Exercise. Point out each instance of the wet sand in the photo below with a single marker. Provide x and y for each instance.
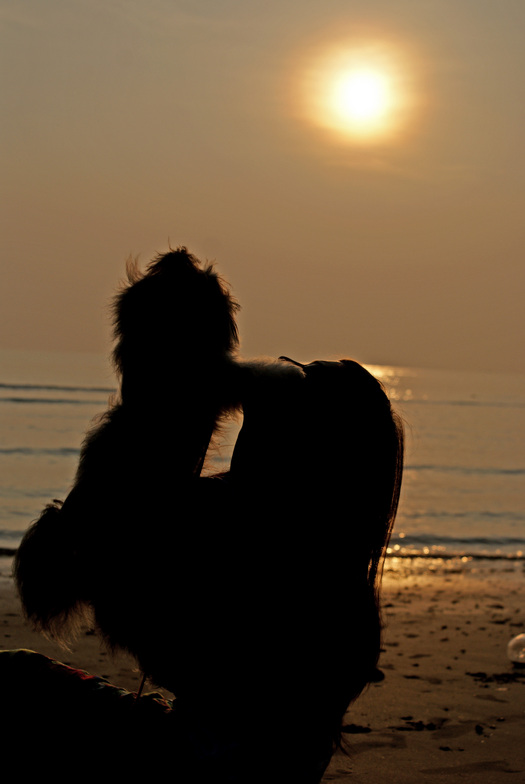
(451, 707)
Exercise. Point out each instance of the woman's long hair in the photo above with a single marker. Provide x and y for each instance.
(320, 456)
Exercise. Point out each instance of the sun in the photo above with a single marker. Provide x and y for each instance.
(362, 92)
(362, 97)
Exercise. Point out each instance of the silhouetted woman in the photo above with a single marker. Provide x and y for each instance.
(315, 475)
(252, 596)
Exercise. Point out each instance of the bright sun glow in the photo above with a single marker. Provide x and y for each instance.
(362, 97)
(360, 92)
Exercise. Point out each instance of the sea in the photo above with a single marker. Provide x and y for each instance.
(463, 495)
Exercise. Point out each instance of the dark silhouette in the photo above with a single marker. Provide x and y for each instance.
(253, 596)
(175, 334)
(321, 453)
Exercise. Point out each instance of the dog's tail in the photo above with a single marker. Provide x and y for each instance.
(48, 577)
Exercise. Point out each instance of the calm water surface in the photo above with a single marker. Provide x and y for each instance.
(464, 485)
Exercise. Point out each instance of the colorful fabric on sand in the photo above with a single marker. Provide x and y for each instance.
(33, 672)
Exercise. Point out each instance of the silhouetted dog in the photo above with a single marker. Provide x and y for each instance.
(120, 540)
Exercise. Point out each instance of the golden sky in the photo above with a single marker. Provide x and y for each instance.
(354, 168)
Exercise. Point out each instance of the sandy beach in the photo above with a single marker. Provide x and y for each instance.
(451, 707)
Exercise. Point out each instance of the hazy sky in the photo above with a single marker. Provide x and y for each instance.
(129, 124)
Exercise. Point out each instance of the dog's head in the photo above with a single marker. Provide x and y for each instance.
(177, 311)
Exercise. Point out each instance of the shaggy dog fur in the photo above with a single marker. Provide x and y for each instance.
(175, 335)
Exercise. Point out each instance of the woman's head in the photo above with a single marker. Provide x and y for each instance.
(324, 434)
(358, 439)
